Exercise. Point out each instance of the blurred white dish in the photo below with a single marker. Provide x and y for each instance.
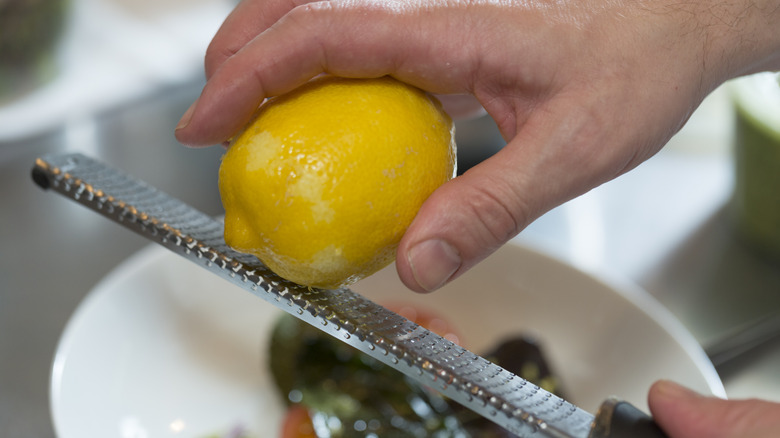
(161, 348)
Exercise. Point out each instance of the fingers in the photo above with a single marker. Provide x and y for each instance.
(347, 39)
(682, 413)
(248, 19)
(482, 212)
(572, 120)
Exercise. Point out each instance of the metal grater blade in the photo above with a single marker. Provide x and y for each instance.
(519, 406)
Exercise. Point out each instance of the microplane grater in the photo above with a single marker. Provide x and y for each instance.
(508, 400)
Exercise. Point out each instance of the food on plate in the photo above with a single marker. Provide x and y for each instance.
(325, 180)
(333, 390)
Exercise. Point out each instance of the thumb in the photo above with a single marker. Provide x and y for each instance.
(460, 224)
(682, 413)
(471, 216)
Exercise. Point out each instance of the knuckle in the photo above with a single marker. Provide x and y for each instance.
(215, 55)
(498, 210)
(306, 13)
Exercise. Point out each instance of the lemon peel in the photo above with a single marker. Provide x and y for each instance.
(322, 184)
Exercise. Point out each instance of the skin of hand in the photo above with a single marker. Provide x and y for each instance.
(682, 413)
(582, 90)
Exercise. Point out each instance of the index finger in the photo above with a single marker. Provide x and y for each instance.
(249, 19)
(349, 39)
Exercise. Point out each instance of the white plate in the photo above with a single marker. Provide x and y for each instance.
(162, 348)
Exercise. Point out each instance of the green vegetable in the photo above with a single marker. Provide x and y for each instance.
(350, 394)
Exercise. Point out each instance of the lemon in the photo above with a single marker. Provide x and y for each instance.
(322, 184)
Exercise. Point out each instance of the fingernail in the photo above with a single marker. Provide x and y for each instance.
(185, 119)
(671, 389)
(433, 262)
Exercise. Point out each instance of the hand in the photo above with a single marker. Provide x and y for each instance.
(582, 90)
(681, 413)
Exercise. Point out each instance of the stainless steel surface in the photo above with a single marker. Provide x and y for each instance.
(665, 226)
(465, 377)
(743, 340)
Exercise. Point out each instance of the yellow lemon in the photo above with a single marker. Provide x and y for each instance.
(325, 180)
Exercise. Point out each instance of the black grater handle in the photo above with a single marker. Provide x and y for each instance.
(620, 419)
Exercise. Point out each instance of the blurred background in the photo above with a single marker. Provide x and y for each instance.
(110, 78)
